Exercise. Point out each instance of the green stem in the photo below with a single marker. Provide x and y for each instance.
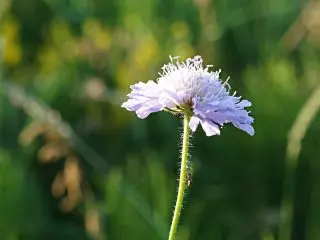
(298, 131)
(287, 202)
(182, 180)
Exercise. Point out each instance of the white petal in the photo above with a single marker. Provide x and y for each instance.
(194, 122)
(144, 112)
(210, 128)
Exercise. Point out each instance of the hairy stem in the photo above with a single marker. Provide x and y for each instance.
(182, 180)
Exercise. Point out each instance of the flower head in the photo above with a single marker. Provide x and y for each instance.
(191, 88)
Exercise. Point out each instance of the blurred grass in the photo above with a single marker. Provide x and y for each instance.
(101, 173)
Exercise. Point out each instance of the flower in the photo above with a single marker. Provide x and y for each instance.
(191, 88)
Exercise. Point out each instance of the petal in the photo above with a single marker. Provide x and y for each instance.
(198, 111)
(210, 128)
(244, 103)
(245, 127)
(218, 117)
(194, 122)
(144, 112)
(131, 105)
(168, 99)
(144, 99)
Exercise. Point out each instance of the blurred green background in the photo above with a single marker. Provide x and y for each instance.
(75, 165)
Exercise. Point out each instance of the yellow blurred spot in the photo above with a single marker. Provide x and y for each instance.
(124, 78)
(49, 59)
(184, 50)
(90, 27)
(102, 40)
(100, 36)
(143, 54)
(12, 49)
(60, 31)
(179, 30)
(145, 51)
(12, 53)
(61, 46)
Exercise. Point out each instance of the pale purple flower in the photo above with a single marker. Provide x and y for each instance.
(191, 88)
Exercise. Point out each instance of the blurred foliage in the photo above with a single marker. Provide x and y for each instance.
(74, 165)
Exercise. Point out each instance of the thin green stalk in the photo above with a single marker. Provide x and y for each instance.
(287, 202)
(182, 180)
(301, 125)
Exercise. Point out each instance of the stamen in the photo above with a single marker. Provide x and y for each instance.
(223, 85)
